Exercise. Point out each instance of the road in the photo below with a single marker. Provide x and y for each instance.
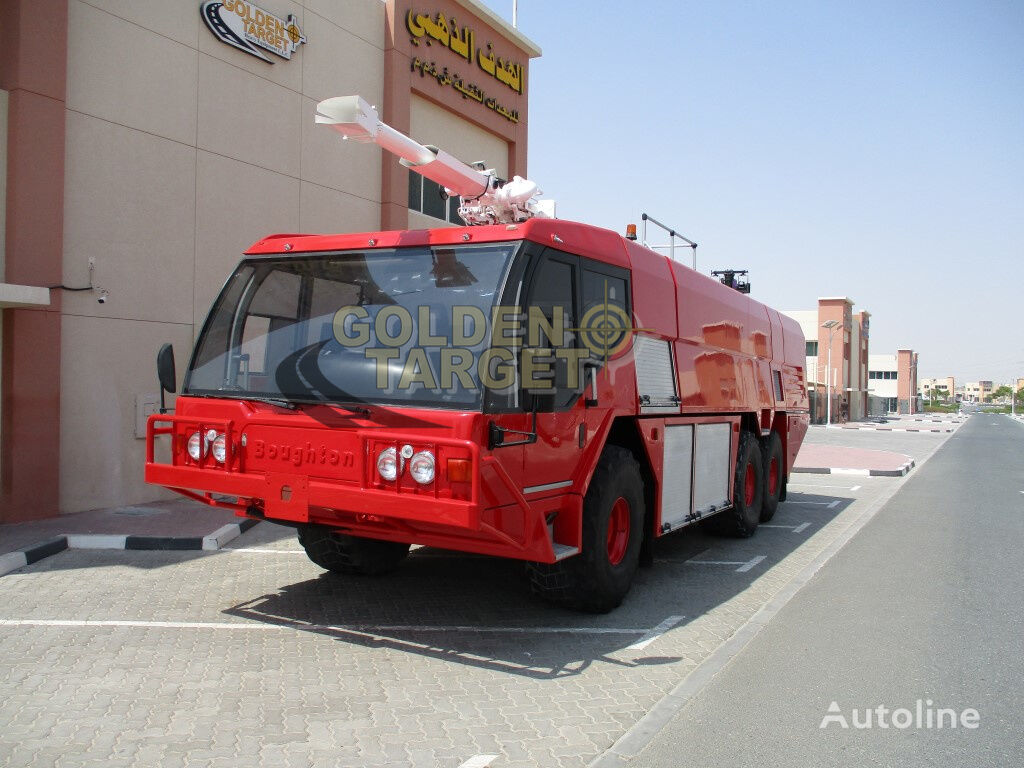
(924, 603)
(252, 655)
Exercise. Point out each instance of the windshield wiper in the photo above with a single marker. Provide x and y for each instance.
(271, 401)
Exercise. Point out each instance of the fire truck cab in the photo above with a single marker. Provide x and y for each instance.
(535, 389)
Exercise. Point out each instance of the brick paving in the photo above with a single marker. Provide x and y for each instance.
(241, 657)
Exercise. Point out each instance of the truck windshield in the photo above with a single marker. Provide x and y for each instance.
(399, 326)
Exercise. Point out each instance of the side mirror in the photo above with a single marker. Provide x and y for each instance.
(165, 372)
(165, 368)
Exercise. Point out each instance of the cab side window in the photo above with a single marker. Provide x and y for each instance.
(606, 314)
(554, 292)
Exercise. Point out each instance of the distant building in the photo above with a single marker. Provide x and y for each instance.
(977, 391)
(942, 389)
(847, 377)
(892, 382)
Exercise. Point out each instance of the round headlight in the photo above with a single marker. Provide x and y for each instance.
(220, 448)
(387, 464)
(195, 446)
(421, 467)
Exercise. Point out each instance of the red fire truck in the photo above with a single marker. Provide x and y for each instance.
(524, 387)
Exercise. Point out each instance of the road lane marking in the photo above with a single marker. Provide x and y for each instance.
(801, 528)
(655, 633)
(265, 551)
(829, 504)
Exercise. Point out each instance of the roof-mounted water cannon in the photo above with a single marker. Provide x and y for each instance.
(731, 278)
(484, 198)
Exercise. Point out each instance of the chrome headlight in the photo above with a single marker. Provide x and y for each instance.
(219, 448)
(195, 446)
(387, 464)
(421, 467)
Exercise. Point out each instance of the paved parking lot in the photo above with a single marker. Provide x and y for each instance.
(185, 658)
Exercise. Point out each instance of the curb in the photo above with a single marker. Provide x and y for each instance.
(33, 554)
(904, 469)
(899, 429)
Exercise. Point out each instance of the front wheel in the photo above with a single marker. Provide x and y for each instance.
(340, 553)
(597, 579)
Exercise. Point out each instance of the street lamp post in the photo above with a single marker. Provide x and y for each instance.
(832, 325)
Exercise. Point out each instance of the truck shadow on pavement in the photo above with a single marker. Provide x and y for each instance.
(478, 611)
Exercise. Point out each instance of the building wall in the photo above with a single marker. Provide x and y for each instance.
(33, 72)
(199, 149)
(906, 382)
(147, 155)
(412, 59)
(847, 381)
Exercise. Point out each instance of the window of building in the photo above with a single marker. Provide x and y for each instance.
(812, 349)
(427, 197)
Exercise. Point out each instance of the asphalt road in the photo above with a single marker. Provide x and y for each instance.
(925, 603)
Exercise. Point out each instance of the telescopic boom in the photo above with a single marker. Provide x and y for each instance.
(484, 198)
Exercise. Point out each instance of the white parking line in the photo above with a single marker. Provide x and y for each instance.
(265, 551)
(479, 761)
(359, 628)
(751, 563)
(837, 487)
(829, 504)
(743, 566)
(655, 633)
(793, 528)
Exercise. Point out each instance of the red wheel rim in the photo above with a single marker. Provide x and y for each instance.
(618, 531)
(749, 485)
(773, 476)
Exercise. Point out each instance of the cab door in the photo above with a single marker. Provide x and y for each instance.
(553, 291)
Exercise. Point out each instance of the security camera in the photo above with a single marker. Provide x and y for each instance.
(102, 298)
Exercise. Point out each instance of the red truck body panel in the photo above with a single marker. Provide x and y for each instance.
(736, 361)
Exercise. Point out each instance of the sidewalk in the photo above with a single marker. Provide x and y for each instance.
(178, 524)
(816, 458)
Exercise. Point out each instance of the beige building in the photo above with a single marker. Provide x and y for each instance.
(940, 389)
(977, 391)
(149, 143)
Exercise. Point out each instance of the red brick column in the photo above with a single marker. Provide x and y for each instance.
(33, 69)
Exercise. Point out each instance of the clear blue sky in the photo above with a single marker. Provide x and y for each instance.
(867, 149)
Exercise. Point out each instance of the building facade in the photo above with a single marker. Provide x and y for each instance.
(843, 374)
(938, 389)
(893, 383)
(978, 391)
(148, 144)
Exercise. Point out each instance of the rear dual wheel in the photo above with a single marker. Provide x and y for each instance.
(774, 475)
(748, 492)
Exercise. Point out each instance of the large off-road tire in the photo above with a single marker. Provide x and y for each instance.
(742, 517)
(597, 579)
(774, 468)
(340, 553)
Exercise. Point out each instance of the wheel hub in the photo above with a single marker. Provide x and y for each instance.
(618, 531)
